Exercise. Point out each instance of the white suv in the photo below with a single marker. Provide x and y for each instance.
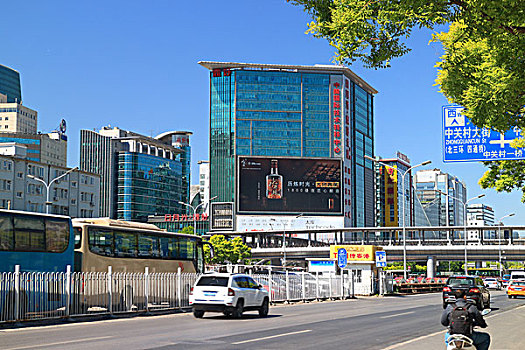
(231, 294)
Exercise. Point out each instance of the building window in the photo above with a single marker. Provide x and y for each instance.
(20, 174)
(73, 184)
(19, 195)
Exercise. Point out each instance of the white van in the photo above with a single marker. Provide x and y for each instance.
(517, 275)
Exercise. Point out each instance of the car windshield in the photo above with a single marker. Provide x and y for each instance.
(213, 281)
(459, 282)
(518, 283)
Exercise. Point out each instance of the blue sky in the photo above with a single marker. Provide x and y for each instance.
(133, 64)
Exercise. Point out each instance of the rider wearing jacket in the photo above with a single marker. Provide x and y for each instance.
(481, 340)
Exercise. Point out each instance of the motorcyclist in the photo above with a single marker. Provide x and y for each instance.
(481, 340)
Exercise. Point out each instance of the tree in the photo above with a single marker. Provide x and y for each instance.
(227, 250)
(482, 69)
(188, 230)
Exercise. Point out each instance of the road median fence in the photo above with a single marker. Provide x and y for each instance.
(28, 296)
(419, 285)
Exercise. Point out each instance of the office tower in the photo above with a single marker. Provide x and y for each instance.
(140, 175)
(291, 112)
(10, 84)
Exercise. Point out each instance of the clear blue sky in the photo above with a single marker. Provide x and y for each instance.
(133, 64)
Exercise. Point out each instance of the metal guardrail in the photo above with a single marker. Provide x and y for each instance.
(42, 295)
(28, 296)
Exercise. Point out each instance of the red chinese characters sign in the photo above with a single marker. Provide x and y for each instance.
(184, 217)
(337, 118)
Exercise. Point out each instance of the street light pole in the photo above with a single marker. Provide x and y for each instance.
(195, 211)
(499, 241)
(464, 220)
(284, 239)
(404, 200)
(48, 186)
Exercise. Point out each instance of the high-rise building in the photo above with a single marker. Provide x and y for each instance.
(14, 117)
(446, 207)
(479, 215)
(10, 84)
(389, 192)
(204, 183)
(140, 175)
(293, 111)
(45, 148)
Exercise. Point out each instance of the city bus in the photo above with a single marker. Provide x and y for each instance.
(35, 241)
(43, 246)
(483, 272)
(131, 247)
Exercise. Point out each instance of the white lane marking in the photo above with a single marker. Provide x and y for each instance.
(398, 345)
(59, 343)
(401, 314)
(272, 336)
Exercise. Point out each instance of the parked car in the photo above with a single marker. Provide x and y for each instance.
(491, 282)
(474, 287)
(231, 294)
(516, 288)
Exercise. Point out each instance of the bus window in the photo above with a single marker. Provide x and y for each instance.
(29, 234)
(148, 246)
(169, 247)
(101, 241)
(125, 244)
(78, 237)
(6, 233)
(200, 259)
(187, 248)
(57, 235)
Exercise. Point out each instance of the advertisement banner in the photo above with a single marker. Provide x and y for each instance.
(355, 252)
(221, 215)
(295, 185)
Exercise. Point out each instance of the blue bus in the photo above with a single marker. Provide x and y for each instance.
(35, 241)
(43, 246)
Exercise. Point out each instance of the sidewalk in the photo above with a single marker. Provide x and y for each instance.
(505, 331)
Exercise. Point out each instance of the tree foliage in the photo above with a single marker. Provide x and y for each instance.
(482, 69)
(227, 250)
(188, 230)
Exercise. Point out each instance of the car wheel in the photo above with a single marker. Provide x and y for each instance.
(510, 296)
(481, 305)
(198, 313)
(265, 308)
(487, 306)
(444, 305)
(238, 310)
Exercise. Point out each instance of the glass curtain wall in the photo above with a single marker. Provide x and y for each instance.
(148, 185)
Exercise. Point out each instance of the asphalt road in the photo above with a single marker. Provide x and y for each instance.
(364, 323)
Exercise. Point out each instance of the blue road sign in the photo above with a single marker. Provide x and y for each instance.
(380, 259)
(342, 258)
(465, 142)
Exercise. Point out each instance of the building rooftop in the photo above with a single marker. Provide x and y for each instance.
(211, 65)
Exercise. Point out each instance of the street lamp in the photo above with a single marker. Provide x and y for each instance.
(284, 238)
(499, 241)
(464, 219)
(404, 200)
(48, 203)
(195, 211)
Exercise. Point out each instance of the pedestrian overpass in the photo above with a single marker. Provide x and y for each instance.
(483, 243)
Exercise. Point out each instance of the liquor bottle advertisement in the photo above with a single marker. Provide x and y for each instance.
(276, 184)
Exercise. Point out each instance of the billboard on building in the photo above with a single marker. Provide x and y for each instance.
(221, 216)
(293, 185)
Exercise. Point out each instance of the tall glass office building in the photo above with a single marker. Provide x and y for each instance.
(10, 84)
(148, 185)
(322, 111)
(443, 208)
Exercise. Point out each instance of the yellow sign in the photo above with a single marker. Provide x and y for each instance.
(355, 252)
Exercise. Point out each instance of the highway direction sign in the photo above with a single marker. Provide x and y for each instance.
(380, 259)
(465, 142)
(342, 258)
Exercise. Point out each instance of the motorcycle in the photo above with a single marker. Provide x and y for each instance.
(460, 341)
